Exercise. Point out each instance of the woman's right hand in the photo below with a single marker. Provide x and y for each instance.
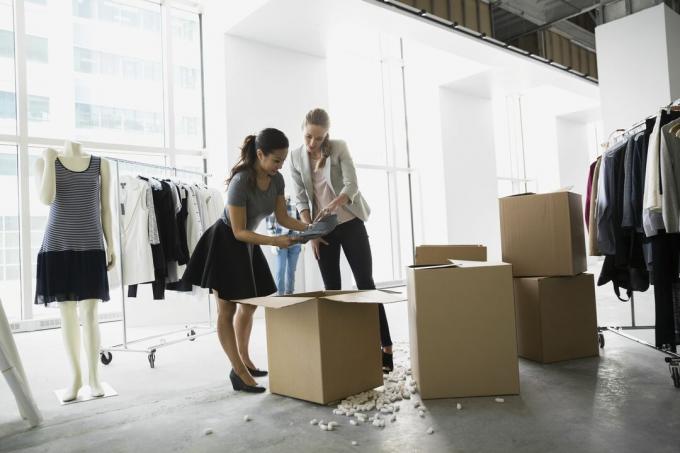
(284, 241)
(316, 245)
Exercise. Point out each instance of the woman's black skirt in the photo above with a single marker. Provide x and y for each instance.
(235, 269)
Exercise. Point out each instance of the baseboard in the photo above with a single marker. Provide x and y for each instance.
(31, 325)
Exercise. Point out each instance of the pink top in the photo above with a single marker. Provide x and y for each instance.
(324, 193)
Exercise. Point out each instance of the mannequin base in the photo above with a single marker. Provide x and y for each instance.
(85, 395)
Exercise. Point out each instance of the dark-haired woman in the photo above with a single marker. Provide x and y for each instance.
(228, 258)
(326, 182)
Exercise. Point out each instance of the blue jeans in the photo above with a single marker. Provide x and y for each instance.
(286, 263)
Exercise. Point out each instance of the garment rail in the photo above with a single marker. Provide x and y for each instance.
(190, 331)
(672, 359)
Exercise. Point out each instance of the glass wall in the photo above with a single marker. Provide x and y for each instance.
(370, 76)
(95, 72)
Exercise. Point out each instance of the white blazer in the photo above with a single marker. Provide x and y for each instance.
(339, 170)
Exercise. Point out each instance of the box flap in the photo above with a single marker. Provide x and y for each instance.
(439, 254)
(276, 301)
(374, 296)
(459, 264)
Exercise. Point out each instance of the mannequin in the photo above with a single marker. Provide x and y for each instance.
(75, 160)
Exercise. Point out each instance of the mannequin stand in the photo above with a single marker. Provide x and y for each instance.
(85, 394)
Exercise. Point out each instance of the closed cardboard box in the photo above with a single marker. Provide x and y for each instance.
(556, 318)
(462, 330)
(324, 346)
(542, 234)
(441, 254)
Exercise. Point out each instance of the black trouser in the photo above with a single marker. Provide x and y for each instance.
(352, 237)
(665, 256)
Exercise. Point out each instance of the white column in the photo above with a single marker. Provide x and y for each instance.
(638, 64)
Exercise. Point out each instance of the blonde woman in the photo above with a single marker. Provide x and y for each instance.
(325, 182)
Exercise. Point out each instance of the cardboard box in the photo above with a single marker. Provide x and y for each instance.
(542, 235)
(324, 346)
(441, 254)
(556, 318)
(462, 330)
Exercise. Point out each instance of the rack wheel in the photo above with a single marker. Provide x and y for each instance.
(600, 339)
(192, 335)
(152, 359)
(106, 357)
(675, 374)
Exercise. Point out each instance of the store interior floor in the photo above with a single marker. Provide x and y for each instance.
(621, 401)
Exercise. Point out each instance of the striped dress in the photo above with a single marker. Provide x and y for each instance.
(72, 259)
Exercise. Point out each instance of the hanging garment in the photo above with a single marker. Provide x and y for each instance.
(194, 225)
(652, 217)
(623, 264)
(72, 258)
(137, 259)
(592, 219)
(607, 201)
(214, 205)
(666, 253)
(669, 151)
(589, 185)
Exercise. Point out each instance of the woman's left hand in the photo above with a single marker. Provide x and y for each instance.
(324, 212)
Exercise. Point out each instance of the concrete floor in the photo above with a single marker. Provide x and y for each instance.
(622, 401)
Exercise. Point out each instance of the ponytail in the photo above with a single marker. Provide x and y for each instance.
(267, 140)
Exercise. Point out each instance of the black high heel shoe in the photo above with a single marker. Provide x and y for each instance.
(239, 385)
(257, 373)
(387, 362)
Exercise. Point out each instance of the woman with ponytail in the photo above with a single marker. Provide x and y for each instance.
(228, 258)
(326, 182)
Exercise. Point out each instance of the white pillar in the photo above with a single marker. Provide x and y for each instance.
(638, 64)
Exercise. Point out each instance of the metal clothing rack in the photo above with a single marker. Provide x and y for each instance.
(672, 358)
(190, 330)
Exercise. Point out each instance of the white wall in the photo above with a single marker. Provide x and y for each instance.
(540, 141)
(673, 40)
(638, 64)
(573, 144)
(268, 86)
(470, 168)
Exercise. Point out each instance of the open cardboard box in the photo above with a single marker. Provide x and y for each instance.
(324, 346)
(441, 254)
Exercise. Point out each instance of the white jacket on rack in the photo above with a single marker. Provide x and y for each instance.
(652, 207)
(136, 240)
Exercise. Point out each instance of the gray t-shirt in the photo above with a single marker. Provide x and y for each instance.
(258, 203)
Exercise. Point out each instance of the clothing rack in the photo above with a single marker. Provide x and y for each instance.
(672, 359)
(190, 330)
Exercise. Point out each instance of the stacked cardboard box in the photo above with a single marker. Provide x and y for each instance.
(542, 237)
(461, 324)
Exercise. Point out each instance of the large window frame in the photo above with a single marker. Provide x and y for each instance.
(24, 141)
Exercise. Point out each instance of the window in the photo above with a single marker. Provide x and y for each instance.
(6, 44)
(117, 13)
(38, 108)
(187, 80)
(113, 51)
(8, 107)
(10, 247)
(105, 86)
(83, 60)
(511, 163)
(375, 135)
(36, 49)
